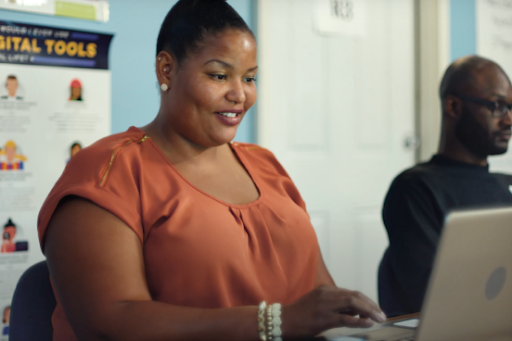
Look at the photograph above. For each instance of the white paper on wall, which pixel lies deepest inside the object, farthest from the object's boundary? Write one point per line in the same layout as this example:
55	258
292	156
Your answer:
494	41
340	17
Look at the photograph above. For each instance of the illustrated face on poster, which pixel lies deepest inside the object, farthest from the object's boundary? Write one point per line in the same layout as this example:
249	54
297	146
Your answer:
11	84
76	90
9	244
11	158
6	319
75	148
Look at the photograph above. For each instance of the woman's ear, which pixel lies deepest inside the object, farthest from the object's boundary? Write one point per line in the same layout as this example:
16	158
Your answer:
164	66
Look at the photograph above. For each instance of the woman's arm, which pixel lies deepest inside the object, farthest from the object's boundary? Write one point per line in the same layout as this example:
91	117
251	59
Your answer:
96	265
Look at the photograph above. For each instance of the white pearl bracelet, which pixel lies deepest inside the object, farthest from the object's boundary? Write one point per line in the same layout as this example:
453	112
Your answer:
261	321
274	331
271	330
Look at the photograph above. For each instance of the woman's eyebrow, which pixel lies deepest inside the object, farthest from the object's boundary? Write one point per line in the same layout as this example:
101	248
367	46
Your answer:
227	64
220	62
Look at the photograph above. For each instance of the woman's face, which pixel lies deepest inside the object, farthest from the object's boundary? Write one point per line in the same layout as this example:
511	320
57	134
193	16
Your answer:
211	91
7	315
76	92
9	233
75	149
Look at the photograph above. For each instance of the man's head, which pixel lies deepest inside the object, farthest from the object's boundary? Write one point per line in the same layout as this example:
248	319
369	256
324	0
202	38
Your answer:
476	97
12	85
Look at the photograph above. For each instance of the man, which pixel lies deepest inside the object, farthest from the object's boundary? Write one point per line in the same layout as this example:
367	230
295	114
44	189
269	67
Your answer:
12	87
476	99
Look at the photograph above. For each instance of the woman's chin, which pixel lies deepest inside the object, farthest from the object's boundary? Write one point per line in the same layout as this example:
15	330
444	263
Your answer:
224	137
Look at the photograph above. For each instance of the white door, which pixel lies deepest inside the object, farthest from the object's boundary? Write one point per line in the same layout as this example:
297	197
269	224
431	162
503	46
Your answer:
336	111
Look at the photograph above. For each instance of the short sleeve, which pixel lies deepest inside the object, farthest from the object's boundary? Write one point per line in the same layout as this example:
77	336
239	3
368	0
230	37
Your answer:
107	174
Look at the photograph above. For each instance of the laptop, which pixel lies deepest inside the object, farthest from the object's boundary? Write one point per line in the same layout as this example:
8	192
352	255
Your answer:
469	296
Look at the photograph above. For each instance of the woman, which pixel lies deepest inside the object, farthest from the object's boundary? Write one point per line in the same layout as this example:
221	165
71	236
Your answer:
171	232
75	148
75	89
6	319
8	235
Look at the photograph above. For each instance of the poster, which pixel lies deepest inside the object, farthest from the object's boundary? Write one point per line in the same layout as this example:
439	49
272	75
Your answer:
55	98
494	41
97	10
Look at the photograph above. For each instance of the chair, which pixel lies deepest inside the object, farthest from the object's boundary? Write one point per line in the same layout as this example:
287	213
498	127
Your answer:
32	306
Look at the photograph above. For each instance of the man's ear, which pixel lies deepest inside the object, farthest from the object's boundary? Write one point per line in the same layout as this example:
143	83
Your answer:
165	65
452	107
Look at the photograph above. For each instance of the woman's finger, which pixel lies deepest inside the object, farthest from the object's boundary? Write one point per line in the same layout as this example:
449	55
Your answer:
353	322
351	304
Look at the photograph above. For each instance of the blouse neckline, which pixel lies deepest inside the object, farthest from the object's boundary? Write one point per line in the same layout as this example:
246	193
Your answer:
234	148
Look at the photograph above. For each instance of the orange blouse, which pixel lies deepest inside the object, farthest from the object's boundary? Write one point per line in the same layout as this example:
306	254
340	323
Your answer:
198	250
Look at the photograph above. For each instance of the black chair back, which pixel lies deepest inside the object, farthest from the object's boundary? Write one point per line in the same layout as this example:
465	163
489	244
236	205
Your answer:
32	306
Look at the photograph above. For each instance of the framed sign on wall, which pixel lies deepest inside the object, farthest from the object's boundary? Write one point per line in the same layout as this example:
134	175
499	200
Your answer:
96	10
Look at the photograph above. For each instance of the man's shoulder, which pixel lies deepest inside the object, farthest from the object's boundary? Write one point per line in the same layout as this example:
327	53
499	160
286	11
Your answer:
419	172
503	177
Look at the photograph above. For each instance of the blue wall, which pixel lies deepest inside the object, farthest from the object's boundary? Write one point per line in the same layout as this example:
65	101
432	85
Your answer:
135	24
462	28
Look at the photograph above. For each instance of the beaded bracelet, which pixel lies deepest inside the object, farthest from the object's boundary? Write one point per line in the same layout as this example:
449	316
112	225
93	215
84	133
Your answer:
271	330
270	323
261	321
276	322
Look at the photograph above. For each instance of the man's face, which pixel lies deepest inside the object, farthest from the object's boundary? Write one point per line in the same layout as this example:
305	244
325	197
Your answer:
12	87
478	130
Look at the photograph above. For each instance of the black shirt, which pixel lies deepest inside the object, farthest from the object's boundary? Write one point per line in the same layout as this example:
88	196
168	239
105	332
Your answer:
414	212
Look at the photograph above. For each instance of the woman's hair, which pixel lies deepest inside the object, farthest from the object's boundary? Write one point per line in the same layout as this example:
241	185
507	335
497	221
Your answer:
9	224
189	21
75	144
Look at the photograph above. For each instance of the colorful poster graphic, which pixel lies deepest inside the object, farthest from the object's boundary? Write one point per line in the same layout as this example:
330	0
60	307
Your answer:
11	157
97	10
50	109
37	45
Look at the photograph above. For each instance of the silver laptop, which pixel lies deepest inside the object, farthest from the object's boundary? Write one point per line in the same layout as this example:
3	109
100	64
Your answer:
469	297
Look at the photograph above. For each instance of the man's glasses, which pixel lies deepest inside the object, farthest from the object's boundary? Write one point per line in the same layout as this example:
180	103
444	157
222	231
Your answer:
498	108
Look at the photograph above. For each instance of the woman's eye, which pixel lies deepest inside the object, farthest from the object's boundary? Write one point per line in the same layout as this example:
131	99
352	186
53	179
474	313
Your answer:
250	79
218	77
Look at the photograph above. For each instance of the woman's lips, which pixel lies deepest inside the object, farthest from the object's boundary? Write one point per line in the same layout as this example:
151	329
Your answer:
228	119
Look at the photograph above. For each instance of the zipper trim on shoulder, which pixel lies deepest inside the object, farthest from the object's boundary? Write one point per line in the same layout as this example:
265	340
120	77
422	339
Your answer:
102	182
143	139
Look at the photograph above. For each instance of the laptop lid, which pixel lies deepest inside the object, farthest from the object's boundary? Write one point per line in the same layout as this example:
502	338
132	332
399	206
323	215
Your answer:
469	296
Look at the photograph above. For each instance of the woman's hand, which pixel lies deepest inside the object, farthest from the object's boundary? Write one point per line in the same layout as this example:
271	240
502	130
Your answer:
328	307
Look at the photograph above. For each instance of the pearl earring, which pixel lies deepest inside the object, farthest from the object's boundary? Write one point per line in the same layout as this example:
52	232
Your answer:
164	87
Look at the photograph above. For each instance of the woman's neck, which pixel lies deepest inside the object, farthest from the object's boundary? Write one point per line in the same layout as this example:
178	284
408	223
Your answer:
177	147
